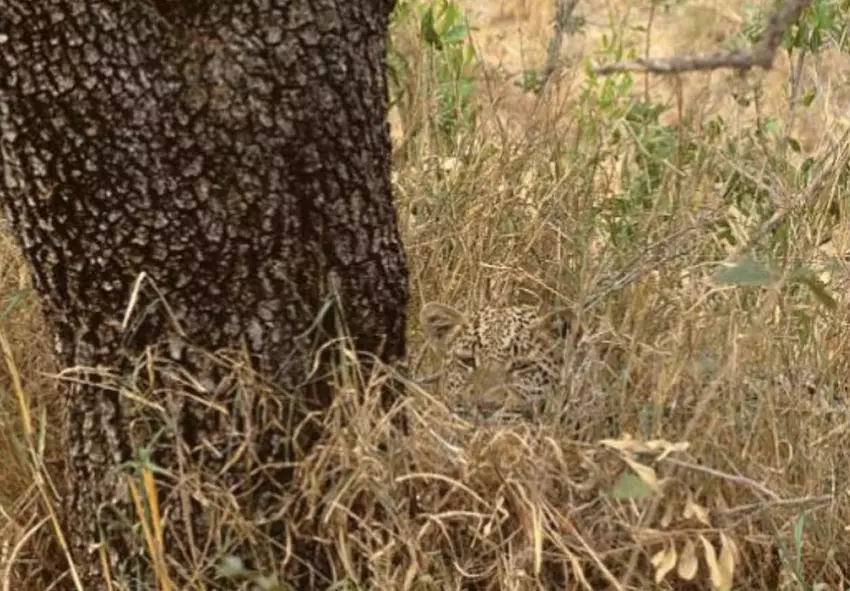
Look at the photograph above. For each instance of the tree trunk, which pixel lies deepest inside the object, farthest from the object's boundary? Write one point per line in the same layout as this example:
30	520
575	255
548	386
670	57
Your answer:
237	153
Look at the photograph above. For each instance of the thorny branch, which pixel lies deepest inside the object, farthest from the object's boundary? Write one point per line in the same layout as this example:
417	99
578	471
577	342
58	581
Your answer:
761	55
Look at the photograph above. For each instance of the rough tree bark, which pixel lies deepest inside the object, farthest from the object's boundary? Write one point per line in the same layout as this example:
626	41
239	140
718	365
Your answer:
237	152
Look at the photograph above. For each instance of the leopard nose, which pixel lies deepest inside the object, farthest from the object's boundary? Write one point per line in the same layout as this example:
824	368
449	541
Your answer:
488	377
493	387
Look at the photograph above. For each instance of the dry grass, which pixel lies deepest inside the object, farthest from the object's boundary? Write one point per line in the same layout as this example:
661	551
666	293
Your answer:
740	388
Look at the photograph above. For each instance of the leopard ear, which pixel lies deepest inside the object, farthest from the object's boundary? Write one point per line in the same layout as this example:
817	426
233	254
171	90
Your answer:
559	324
440	323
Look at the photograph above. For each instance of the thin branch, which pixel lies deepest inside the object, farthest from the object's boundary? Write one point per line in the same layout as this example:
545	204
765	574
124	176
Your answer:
761	55
748	482
563	14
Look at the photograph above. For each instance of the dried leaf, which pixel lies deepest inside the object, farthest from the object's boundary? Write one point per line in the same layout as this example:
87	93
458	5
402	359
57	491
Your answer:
645	473
624	443
664	561
635	446
710	560
693	509
667	517
668	448
720	580
728	556
688	563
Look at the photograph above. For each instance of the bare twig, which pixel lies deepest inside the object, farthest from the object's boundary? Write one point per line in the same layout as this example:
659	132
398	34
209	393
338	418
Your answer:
563	13
761	506
748	482
761	55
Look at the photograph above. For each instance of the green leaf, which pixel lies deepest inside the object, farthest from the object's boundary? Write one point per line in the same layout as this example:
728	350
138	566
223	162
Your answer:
231	566
630	486
809	96
745	272
456	34
794	145
428	30
771	126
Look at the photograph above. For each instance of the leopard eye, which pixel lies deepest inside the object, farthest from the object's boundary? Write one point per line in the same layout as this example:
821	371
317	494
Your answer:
466	358
521	365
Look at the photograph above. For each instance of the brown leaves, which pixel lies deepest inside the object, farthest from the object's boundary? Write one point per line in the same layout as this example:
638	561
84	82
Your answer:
683	552
686	561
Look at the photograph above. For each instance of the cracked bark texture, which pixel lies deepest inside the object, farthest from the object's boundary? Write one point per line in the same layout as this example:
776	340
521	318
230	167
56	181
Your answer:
237	152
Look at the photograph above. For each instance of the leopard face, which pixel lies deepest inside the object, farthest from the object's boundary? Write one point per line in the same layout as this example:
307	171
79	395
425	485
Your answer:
498	354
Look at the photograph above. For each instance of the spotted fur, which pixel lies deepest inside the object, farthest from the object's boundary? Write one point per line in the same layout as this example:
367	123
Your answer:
498	355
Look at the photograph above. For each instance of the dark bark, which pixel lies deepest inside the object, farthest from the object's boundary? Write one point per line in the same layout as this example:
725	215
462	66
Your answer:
235	151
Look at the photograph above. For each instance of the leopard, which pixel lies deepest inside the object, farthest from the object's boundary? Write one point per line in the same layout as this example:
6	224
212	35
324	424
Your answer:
499	357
